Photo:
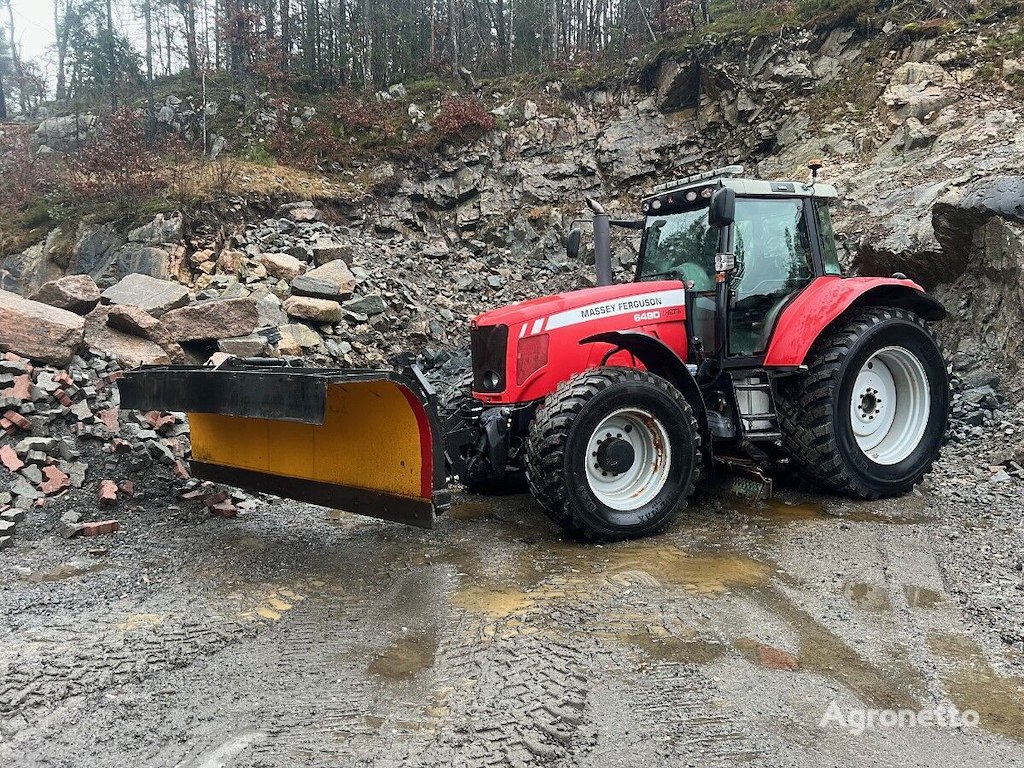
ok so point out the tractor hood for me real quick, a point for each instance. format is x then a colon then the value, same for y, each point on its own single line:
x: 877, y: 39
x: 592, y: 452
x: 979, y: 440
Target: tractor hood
x: 605, y: 297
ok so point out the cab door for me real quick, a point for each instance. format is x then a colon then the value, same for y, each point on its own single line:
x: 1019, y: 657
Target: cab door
x: 774, y: 260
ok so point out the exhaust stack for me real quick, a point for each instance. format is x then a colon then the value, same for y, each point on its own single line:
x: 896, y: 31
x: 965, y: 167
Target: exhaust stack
x: 602, y: 242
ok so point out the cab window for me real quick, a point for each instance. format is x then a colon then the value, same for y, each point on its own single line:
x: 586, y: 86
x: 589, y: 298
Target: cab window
x: 827, y: 236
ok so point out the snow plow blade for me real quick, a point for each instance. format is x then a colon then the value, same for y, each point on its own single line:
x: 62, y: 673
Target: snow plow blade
x: 366, y: 442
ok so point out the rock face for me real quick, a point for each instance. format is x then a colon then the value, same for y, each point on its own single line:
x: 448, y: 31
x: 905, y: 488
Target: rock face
x: 95, y: 250
x: 320, y: 310
x: 75, y: 293
x: 38, y: 331
x: 153, y: 295
x: 160, y: 230
x: 217, y: 319
x: 333, y: 280
x: 25, y: 272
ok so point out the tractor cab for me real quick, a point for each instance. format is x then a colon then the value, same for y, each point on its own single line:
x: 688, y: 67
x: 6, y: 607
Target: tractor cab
x: 778, y: 234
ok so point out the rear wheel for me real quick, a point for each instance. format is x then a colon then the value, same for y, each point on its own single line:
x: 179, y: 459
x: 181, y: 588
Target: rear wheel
x: 869, y: 417
x: 612, y: 452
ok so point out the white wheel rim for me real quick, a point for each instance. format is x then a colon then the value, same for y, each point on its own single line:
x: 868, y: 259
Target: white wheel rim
x: 646, y: 477
x: 890, y: 405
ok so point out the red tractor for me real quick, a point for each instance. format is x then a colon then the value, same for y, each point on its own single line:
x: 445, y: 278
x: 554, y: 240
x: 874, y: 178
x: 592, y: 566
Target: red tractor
x: 739, y: 342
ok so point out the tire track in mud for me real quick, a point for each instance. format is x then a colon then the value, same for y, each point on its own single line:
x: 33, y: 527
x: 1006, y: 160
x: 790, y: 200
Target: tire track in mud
x: 538, y: 674
x: 49, y: 666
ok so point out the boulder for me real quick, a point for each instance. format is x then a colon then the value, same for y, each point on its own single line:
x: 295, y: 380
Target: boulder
x: 271, y: 315
x: 372, y: 304
x: 327, y: 251
x: 230, y: 261
x: 75, y: 293
x: 133, y: 320
x: 130, y: 351
x: 254, y: 345
x: 216, y: 319
x: 64, y: 132
x: 136, y: 321
x: 299, y: 212
x: 319, y: 310
x: 297, y: 337
x: 153, y: 295
x: 917, y: 90
x: 333, y: 280
x: 25, y: 272
x: 958, y: 214
x: 282, y: 266
x: 38, y: 331
x: 158, y: 231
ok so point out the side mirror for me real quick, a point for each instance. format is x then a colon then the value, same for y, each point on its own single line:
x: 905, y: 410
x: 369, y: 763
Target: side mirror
x: 572, y: 243
x: 722, y: 212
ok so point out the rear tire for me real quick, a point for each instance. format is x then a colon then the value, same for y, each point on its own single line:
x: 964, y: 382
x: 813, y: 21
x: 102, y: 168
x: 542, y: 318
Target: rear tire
x: 869, y: 417
x: 612, y: 452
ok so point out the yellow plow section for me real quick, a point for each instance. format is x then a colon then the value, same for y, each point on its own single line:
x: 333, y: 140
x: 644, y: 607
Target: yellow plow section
x: 362, y: 441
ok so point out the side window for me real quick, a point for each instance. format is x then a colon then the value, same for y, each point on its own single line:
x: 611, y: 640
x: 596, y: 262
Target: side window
x: 773, y: 256
x: 828, y: 239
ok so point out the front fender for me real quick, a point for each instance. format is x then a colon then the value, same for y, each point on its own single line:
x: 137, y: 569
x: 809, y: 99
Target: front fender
x: 659, y: 359
x: 815, y: 308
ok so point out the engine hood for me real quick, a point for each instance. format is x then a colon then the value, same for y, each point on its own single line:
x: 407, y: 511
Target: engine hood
x: 544, y: 306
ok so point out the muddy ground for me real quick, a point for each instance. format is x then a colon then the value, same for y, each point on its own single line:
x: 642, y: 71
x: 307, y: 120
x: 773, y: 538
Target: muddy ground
x: 295, y: 635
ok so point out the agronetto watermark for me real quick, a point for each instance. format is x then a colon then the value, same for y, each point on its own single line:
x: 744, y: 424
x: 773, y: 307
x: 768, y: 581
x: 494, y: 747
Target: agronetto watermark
x: 857, y: 721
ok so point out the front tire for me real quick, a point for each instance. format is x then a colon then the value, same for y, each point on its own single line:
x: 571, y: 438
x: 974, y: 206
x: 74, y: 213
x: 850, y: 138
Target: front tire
x: 612, y: 452
x: 869, y: 417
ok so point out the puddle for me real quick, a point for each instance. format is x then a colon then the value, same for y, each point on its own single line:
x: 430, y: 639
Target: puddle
x: 912, y: 511
x: 973, y: 684
x: 64, y: 571
x: 786, y: 510
x: 496, y: 602
x: 671, y: 648
x: 406, y: 657
x: 579, y: 569
x: 922, y: 597
x: 703, y: 573
x: 868, y: 597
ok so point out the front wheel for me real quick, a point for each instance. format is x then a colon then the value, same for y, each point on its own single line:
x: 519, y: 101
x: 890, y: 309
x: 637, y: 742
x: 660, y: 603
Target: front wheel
x: 869, y: 417
x: 612, y: 452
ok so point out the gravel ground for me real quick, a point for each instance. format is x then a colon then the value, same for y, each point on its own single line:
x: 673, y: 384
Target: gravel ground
x: 294, y: 634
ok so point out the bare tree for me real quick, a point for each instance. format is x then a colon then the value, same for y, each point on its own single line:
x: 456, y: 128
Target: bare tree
x: 19, y: 72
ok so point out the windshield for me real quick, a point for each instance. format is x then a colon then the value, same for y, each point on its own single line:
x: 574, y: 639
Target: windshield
x: 680, y: 246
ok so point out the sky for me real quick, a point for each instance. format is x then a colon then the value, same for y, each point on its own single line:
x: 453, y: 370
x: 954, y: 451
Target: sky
x: 33, y: 24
